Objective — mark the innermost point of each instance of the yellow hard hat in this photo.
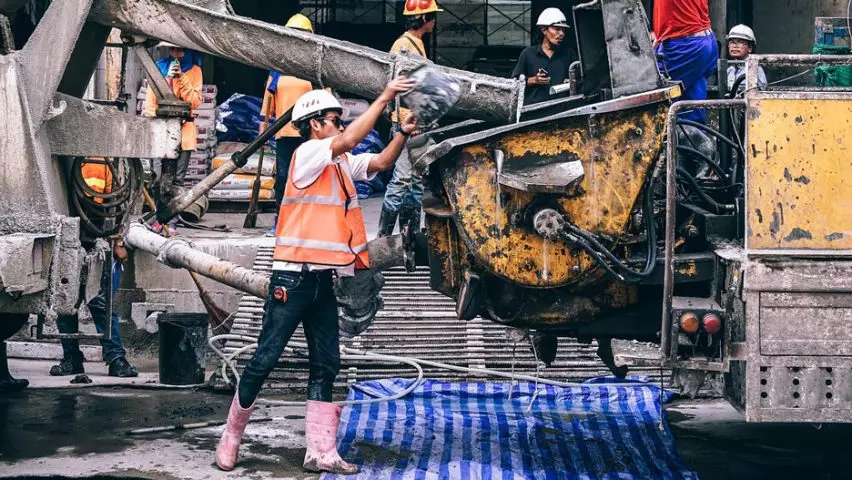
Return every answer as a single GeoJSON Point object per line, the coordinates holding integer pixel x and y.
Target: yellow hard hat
{"type": "Point", "coordinates": [420, 7]}
{"type": "Point", "coordinates": [301, 22]}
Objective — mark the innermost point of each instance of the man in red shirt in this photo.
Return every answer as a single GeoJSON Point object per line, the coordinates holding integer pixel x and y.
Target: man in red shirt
{"type": "Point", "coordinates": [688, 47]}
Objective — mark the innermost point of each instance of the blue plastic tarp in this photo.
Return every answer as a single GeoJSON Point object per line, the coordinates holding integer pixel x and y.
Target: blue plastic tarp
{"type": "Point", "coordinates": [475, 431]}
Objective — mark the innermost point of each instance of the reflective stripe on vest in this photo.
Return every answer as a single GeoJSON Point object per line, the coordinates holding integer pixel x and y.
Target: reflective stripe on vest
{"type": "Point", "coordinates": [322, 223]}
{"type": "Point", "coordinates": [320, 245]}
{"type": "Point", "coordinates": [320, 200]}
{"type": "Point", "coordinates": [98, 177]}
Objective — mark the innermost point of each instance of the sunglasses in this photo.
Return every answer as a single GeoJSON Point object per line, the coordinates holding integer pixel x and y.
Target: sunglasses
{"type": "Point", "coordinates": [335, 120]}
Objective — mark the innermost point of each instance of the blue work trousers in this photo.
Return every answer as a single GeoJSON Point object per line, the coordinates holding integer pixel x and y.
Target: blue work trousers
{"type": "Point", "coordinates": [112, 349]}
{"type": "Point", "coordinates": [690, 60]}
{"type": "Point", "coordinates": [406, 186]}
{"type": "Point", "coordinates": [284, 149]}
{"type": "Point", "coordinates": [311, 302]}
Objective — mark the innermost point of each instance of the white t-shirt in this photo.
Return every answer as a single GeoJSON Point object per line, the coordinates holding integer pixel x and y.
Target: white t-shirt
{"type": "Point", "coordinates": [310, 160]}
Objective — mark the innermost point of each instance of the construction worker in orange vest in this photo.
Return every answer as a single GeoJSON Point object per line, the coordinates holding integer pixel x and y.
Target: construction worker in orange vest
{"type": "Point", "coordinates": [404, 195]}
{"type": "Point", "coordinates": [320, 234]}
{"type": "Point", "coordinates": [280, 96]}
{"type": "Point", "coordinates": [98, 177]}
{"type": "Point", "coordinates": [182, 70]}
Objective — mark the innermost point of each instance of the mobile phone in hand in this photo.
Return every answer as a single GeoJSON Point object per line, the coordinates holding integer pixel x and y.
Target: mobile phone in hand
{"type": "Point", "coordinates": [545, 72]}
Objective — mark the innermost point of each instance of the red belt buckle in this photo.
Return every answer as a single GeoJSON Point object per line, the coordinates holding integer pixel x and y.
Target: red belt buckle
{"type": "Point", "coordinates": [280, 294]}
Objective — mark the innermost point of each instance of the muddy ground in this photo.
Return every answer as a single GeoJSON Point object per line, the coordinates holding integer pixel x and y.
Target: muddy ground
{"type": "Point", "coordinates": [82, 433]}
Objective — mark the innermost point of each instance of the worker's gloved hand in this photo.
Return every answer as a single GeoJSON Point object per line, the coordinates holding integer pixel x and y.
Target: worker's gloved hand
{"type": "Point", "coordinates": [359, 300]}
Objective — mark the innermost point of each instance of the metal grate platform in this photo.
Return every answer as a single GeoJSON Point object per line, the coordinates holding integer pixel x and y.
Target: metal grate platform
{"type": "Point", "coordinates": [420, 323]}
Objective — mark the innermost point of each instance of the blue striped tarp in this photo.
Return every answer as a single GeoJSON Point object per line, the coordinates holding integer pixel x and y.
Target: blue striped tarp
{"type": "Point", "coordinates": [474, 431]}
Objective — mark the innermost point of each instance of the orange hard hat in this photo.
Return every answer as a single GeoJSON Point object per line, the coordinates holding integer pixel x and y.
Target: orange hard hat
{"type": "Point", "coordinates": [420, 7]}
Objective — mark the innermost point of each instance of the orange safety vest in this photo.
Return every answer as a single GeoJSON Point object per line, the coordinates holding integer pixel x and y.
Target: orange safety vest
{"type": "Point", "coordinates": [322, 224]}
{"type": "Point", "coordinates": [98, 177]}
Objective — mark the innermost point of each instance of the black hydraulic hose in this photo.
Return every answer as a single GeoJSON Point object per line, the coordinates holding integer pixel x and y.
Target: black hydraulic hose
{"type": "Point", "coordinates": [709, 161]}
{"type": "Point", "coordinates": [601, 254]}
{"type": "Point", "coordinates": [596, 256]}
{"type": "Point", "coordinates": [701, 193]}
{"type": "Point", "coordinates": [735, 88]}
{"type": "Point", "coordinates": [712, 131]}
{"type": "Point", "coordinates": [93, 207]}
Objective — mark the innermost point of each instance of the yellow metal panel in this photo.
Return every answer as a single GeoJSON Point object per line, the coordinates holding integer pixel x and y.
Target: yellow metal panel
{"type": "Point", "coordinates": [616, 152]}
{"type": "Point", "coordinates": [799, 174]}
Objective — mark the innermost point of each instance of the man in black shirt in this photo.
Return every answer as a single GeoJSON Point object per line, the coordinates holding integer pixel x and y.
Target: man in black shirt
{"type": "Point", "coordinates": [547, 63]}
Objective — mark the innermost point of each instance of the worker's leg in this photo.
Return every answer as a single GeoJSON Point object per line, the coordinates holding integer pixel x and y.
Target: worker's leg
{"type": "Point", "coordinates": [182, 165]}
{"type": "Point", "coordinates": [10, 326]}
{"type": "Point", "coordinates": [321, 416]}
{"type": "Point", "coordinates": [690, 60]}
{"type": "Point", "coordinates": [280, 320]}
{"type": "Point", "coordinates": [409, 213]}
{"type": "Point", "coordinates": [72, 357]}
{"type": "Point", "coordinates": [397, 188]}
{"type": "Point", "coordinates": [112, 349]}
{"type": "Point", "coordinates": [321, 333]}
{"type": "Point", "coordinates": [285, 147]}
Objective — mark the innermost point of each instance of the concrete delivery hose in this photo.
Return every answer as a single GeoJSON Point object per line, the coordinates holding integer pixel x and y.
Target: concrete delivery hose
{"type": "Point", "coordinates": [353, 354]}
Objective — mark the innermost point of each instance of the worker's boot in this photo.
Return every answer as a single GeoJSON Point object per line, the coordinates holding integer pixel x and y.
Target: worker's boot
{"type": "Point", "coordinates": [271, 231]}
{"type": "Point", "coordinates": [229, 445]}
{"type": "Point", "coordinates": [409, 215]}
{"type": "Point", "coordinates": [387, 220]}
{"type": "Point", "coordinates": [8, 384]}
{"type": "Point", "coordinates": [70, 365]}
{"type": "Point", "coordinates": [321, 420]}
{"type": "Point", "coordinates": [120, 367]}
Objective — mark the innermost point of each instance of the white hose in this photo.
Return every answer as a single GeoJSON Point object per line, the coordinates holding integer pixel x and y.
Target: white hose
{"type": "Point", "coordinates": [347, 353]}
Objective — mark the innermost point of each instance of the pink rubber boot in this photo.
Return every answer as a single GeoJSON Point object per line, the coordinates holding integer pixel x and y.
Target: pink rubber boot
{"type": "Point", "coordinates": [321, 419]}
{"type": "Point", "coordinates": [229, 445]}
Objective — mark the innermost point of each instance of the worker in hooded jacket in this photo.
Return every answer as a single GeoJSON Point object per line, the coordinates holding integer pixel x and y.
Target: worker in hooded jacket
{"type": "Point", "coordinates": [182, 70]}
{"type": "Point", "coordinates": [320, 235]}
{"type": "Point", "coordinates": [280, 96]}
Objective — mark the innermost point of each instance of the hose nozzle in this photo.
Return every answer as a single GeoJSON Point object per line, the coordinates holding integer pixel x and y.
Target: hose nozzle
{"type": "Point", "coordinates": [548, 223]}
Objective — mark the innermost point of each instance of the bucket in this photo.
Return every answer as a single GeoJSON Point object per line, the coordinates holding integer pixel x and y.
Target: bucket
{"type": "Point", "coordinates": [183, 345]}
{"type": "Point", "coordinates": [194, 212]}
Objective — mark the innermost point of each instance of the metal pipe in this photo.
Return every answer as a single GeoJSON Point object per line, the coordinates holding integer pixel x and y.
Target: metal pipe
{"type": "Point", "coordinates": [801, 60]}
{"type": "Point", "coordinates": [385, 253]}
{"type": "Point", "coordinates": [671, 192]}
{"type": "Point", "coordinates": [178, 253]}
{"type": "Point", "coordinates": [326, 61]}
{"type": "Point", "coordinates": [237, 160]}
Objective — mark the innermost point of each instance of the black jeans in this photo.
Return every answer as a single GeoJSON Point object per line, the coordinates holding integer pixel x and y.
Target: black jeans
{"type": "Point", "coordinates": [311, 301]}
{"type": "Point", "coordinates": [111, 349]}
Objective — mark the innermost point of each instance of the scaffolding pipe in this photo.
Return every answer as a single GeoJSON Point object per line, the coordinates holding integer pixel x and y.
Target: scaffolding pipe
{"type": "Point", "coordinates": [326, 62]}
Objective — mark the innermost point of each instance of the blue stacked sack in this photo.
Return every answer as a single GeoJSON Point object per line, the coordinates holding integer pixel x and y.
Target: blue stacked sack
{"type": "Point", "coordinates": [239, 119]}
{"type": "Point", "coordinates": [372, 143]}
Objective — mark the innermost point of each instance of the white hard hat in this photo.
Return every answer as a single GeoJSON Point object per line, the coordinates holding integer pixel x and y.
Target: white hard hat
{"type": "Point", "coordinates": [742, 32]}
{"type": "Point", "coordinates": [314, 102]}
{"type": "Point", "coordinates": [168, 45]}
{"type": "Point", "coordinates": [552, 17]}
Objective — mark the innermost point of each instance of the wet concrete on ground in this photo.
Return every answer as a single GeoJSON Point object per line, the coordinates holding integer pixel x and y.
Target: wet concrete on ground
{"type": "Point", "coordinates": [81, 433]}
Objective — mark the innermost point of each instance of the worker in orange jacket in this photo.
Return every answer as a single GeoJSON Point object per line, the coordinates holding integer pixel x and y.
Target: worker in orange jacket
{"type": "Point", "coordinates": [98, 176]}
{"type": "Point", "coordinates": [280, 96]}
{"type": "Point", "coordinates": [404, 195]}
{"type": "Point", "coordinates": [182, 69]}
{"type": "Point", "coordinates": [320, 234]}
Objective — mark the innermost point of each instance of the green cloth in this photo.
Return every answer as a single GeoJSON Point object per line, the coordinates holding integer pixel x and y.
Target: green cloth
{"type": "Point", "coordinates": [833, 76]}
